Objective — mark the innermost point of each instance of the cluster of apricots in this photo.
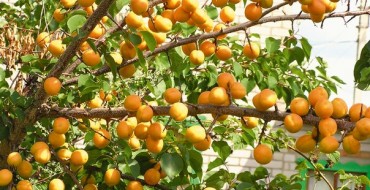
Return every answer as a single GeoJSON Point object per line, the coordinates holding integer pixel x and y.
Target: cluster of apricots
{"type": "Point", "coordinates": [318, 8]}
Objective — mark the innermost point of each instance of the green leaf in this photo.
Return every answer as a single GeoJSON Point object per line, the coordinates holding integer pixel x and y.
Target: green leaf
{"type": "Point", "coordinates": [244, 185]}
{"type": "Point", "coordinates": [75, 22]}
{"type": "Point", "coordinates": [306, 47]}
{"type": "Point", "coordinates": [134, 39]}
{"type": "Point", "coordinates": [272, 44]}
{"type": "Point", "coordinates": [2, 74]}
{"type": "Point", "coordinates": [149, 39]}
{"type": "Point", "coordinates": [238, 70]}
{"type": "Point", "coordinates": [271, 82]}
{"type": "Point", "coordinates": [212, 12]}
{"type": "Point", "coordinates": [334, 157]}
{"type": "Point", "coordinates": [222, 148]}
{"type": "Point", "coordinates": [215, 163]}
{"type": "Point", "coordinates": [260, 173]}
{"type": "Point", "coordinates": [172, 164]}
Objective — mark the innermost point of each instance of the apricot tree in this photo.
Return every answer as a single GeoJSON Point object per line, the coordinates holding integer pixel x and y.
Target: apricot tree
{"type": "Point", "coordinates": [92, 100]}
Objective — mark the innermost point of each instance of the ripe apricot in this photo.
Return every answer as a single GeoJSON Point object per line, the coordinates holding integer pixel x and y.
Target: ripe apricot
{"type": "Point", "coordinates": [363, 126]}
{"type": "Point", "coordinates": [24, 185]}
{"type": "Point", "coordinates": [141, 131]}
{"type": "Point", "coordinates": [90, 187]}
{"type": "Point", "coordinates": [204, 145]}
{"type": "Point", "coordinates": [208, 48]}
{"type": "Point", "coordinates": [238, 90]}
{"type": "Point", "coordinates": [169, 15]}
{"type": "Point", "coordinates": [90, 57]}
{"type": "Point", "coordinates": [124, 131]}
{"type": "Point", "coordinates": [90, 10]}
{"type": "Point", "coordinates": [42, 156]}
{"type": "Point", "coordinates": [268, 98]}
{"type": "Point", "coordinates": [293, 123]}
{"type": "Point", "coordinates": [299, 106]}
{"type": "Point", "coordinates": [208, 26]}
{"type": "Point", "coordinates": [157, 131]}
{"type": "Point", "coordinates": [24, 169]}
{"type": "Point", "coordinates": [357, 111]}
{"type": "Point", "coordinates": [316, 7]}
{"type": "Point", "coordinates": [367, 113]}
{"type": "Point", "coordinates": [178, 111]}
{"type": "Point", "coordinates": [196, 57]}
{"type": "Point", "coordinates": [252, 50]}
{"type": "Point", "coordinates": [190, 5]}
{"type": "Point", "coordinates": [134, 143]}
{"type": "Point", "coordinates": [219, 3]}
{"type": "Point", "coordinates": [127, 71]}
{"type": "Point", "coordinates": [330, 6]}
{"type": "Point", "coordinates": [159, 37]}
{"type": "Point", "coordinates": [324, 108]}
{"type": "Point", "coordinates": [305, 9]}
{"type": "Point", "coordinates": [253, 12]}
{"type": "Point", "coordinates": [61, 125]}
{"type": "Point", "coordinates": [68, 3]}
{"type": "Point", "coordinates": [134, 185]}
{"type": "Point", "coordinates": [328, 145]}
{"type": "Point", "coordinates": [154, 145]}
{"type": "Point", "coordinates": [327, 127]}
{"type": "Point", "coordinates": [357, 135]}
{"type": "Point", "coordinates": [88, 179]}
{"type": "Point", "coordinates": [351, 145]}
{"type": "Point", "coordinates": [56, 140]}
{"type": "Point", "coordinates": [97, 32]}
{"type": "Point", "coordinates": [250, 122]}
{"type": "Point", "coordinates": [256, 102]}
{"type": "Point", "coordinates": [79, 157]}
{"type": "Point", "coordinates": [64, 154]}
{"type": "Point", "coordinates": [162, 24]}
{"type": "Point", "coordinates": [203, 98]}
{"type": "Point", "coordinates": [58, 15]}
{"type": "Point", "coordinates": [172, 95]}
{"type": "Point", "coordinates": [95, 103]}
{"type": "Point", "coordinates": [266, 3]}
{"type": "Point", "coordinates": [262, 154]}
{"type": "Point", "coordinates": [139, 6]}
{"type": "Point", "coordinates": [37, 146]}
{"type": "Point", "coordinates": [152, 176]}
{"type": "Point", "coordinates": [317, 18]}
{"type": "Point", "coordinates": [127, 50]}
{"type": "Point", "coordinates": [105, 97]}
{"type": "Point", "coordinates": [305, 143]}
{"type": "Point", "coordinates": [56, 48]}
{"type": "Point", "coordinates": [217, 28]}
{"type": "Point", "coordinates": [223, 53]}
{"type": "Point", "coordinates": [132, 102]}
{"type": "Point", "coordinates": [101, 138]}
{"type": "Point", "coordinates": [317, 94]}
{"type": "Point", "coordinates": [188, 48]}
{"type": "Point", "coordinates": [6, 177]}
{"type": "Point", "coordinates": [56, 184]}
{"type": "Point", "coordinates": [218, 96]}
{"type": "Point", "coordinates": [112, 177]}
{"type": "Point", "coordinates": [195, 134]}
{"type": "Point", "coordinates": [42, 39]}
{"type": "Point", "coordinates": [305, 2]}
{"type": "Point", "coordinates": [199, 16]}
{"type": "Point", "coordinates": [14, 159]}
{"type": "Point", "coordinates": [86, 3]}
{"type": "Point", "coordinates": [172, 4]}
{"type": "Point", "coordinates": [144, 113]}
{"type": "Point", "coordinates": [225, 80]}
{"type": "Point", "coordinates": [133, 20]}
{"type": "Point", "coordinates": [227, 14]}
{"type": "Point", "coordinates": [180, 15]}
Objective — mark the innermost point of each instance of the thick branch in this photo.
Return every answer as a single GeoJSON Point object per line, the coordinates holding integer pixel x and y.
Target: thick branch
{"type": "Point", "coordinates": [228, 30]}
{"type": "Point", "coordinates": [343, 124]}
{"type": "Point", "coordinates": [18, 131]}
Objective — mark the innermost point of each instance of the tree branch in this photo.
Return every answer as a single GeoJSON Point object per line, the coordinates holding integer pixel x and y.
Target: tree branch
{"type": "Point", "coordinates": [120, 112]}
{"type": "Point", "coordinates": [228, 30]}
